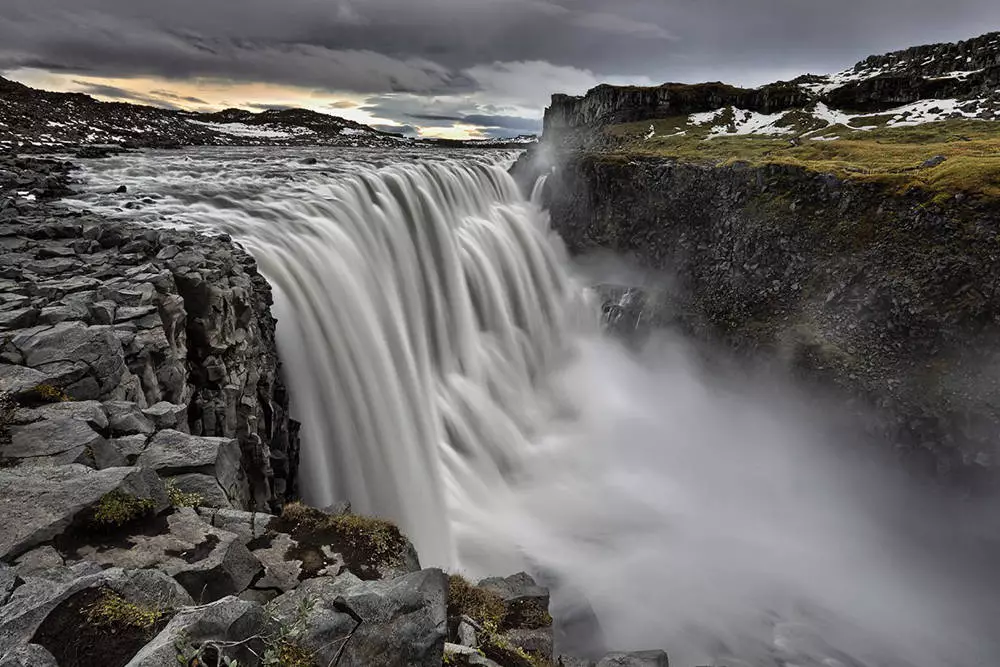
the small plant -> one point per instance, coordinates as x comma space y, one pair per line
280, 649
179, 498
112, 612
52, 394
118, 508
483, 606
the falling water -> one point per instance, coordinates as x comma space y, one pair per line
449, 374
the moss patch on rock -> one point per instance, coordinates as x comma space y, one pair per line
367, 544
483, 606
118, 508
98, 628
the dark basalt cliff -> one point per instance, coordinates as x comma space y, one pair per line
891, 301
967, 71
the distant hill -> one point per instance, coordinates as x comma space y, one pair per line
911, 87
32, 120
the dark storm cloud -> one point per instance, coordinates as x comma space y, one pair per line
166, 94
121, 94
511, 53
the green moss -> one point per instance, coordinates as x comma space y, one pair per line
118, 508
51, 394
889, 156
366, 543
114, 613
483, 606
180, 499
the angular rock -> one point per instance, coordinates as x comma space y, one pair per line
537, 642
95, 346
526, 603
227, 620
248, 526
635, 659
126, 418
49, 438
90, 412
30, 655
281, 571
20, 318
19, 380
8, 580
40, 503
33, 601
167, 416
205, 486
130, 446
37, 560
404, 619
209, 563
172, 453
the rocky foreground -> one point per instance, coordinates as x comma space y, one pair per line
147, 469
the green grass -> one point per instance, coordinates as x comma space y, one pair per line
888, 156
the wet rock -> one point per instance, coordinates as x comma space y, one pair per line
404, 618
526, 603
635, 659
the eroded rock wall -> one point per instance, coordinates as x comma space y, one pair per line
891, 299
156, 329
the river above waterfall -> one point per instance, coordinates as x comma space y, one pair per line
444, 358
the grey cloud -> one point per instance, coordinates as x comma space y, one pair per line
166, 94
508, 54
121, 94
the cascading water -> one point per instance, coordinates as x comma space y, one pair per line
449, 375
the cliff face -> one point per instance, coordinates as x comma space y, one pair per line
157, 329
893, 301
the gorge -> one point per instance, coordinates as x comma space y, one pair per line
733, 400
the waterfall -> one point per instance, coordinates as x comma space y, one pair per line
449, 374
418, 306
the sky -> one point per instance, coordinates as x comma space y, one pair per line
450, 68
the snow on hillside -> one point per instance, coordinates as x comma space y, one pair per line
731, 121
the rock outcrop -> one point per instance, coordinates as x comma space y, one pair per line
123, 345
967, 72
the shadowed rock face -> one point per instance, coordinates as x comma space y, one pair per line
890, 300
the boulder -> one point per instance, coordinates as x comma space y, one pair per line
95, 346
126, 418
166, 415
208, 562
51, 437
466, 656
30, 655
228, 620
172, 453
635, 659
526, 603
29, 608
404, 619
40, 503
206, 487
